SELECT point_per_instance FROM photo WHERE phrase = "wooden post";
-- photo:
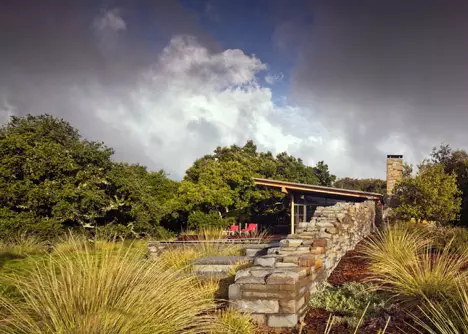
(291, 196)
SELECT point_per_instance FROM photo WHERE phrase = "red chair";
(250, 228)
(234, 229)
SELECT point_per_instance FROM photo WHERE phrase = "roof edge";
(323, 189)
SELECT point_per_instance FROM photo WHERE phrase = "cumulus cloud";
(162, 105)
(190, 101)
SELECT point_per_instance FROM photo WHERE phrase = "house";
(305, 198)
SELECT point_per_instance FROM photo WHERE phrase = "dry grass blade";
(447, 316)
(110, 291)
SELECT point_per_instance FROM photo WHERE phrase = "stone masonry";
(394, 171)
(276, 289)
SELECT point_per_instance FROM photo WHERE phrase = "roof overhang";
(290, 187)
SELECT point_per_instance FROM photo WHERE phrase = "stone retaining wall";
(276, 289)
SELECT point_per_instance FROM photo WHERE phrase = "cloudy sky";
(165, 82)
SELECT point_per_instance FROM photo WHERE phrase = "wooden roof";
(309, 188)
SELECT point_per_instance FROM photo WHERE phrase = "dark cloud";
(376, 69)
(58, 50)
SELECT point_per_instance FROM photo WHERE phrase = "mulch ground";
(352, 268)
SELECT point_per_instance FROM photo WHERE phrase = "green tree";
(221, 185)
(455, 161)
(369, 185)
(51, 179)
(432, 195)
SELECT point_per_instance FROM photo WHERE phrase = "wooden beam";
(291, 196)
(315, 190)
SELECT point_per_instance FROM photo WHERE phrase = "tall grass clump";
(407, 265)
(23, 244)
(399, 243)
(449, 316)
(108, 291)
(229, 321)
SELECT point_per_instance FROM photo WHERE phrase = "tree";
(455, 161)
(220, 186)
(51, 179)
(369, 185)
(432, 195)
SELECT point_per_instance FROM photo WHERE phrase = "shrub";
(348, 301)
(112, 291)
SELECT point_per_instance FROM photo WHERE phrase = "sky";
(166, 82)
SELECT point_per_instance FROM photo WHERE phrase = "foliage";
(368, 185)
(205, 220)
(454, 237)
(51, 180)
(229, 321)
(220, 185)
(407, 265)
(449, 316)
(432, 195)
(112, 291)
(455, 161)
(348, 301)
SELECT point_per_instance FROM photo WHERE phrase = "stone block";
(234, 292)
(303, 249)
(320, 243)
(257, 306)
(259, 272)
(270, 287)
(282, 320)
(291, 258)
(317, 250)
(293, 242)
(266, 294)
(325, 224)
(285, 265)
(242, 273)
(251, 280)
(308, 242)
(287, 305)
(306, 260)
(283, 278)
(264, 261)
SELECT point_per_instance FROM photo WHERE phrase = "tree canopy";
(219, 187)
(455, 161)
(432, 195)
(51, 179)
(369, 185)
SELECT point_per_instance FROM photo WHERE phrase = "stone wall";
(276, 289)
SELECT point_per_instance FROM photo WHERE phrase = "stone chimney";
(394, 171)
